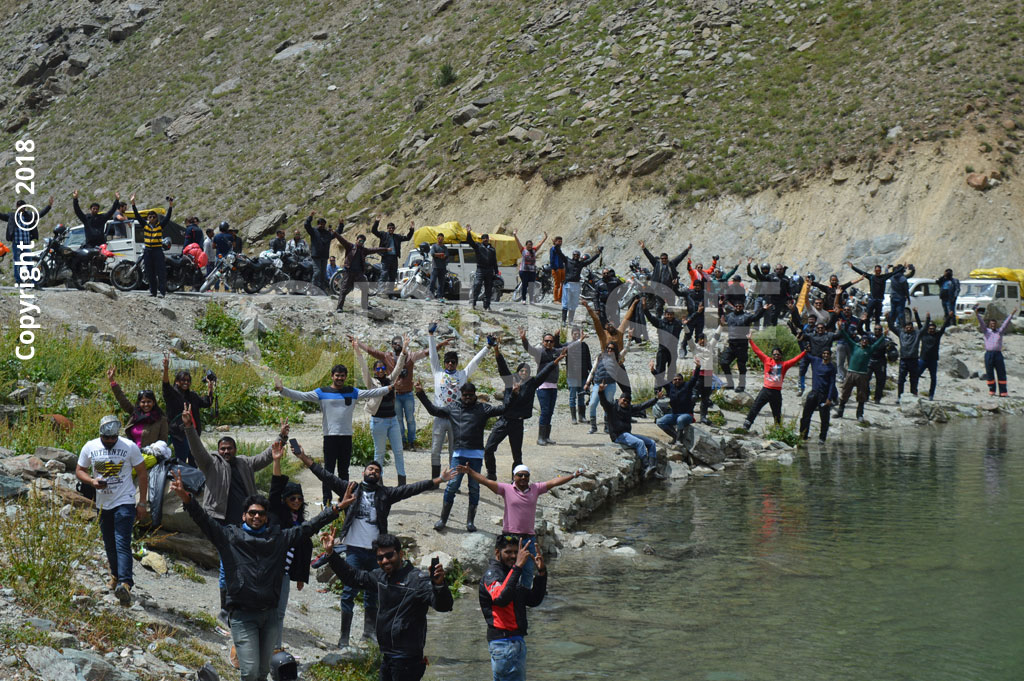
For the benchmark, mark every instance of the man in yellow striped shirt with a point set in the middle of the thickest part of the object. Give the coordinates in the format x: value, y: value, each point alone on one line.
x: 153, y: 254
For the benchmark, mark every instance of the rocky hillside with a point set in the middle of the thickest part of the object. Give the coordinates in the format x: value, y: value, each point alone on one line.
x: 246, y: 108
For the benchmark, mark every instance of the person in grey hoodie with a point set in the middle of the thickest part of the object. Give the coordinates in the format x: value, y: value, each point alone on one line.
x: 910, y: 344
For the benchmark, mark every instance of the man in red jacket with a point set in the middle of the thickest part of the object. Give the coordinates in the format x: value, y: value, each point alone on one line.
x: 504, y: 600
x: 774, y: 373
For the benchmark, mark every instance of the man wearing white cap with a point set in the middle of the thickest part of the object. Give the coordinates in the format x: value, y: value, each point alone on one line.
x: 106, y: 464
x: 520, y: 506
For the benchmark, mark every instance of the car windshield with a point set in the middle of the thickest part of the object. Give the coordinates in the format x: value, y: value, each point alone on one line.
x: 978, y: 290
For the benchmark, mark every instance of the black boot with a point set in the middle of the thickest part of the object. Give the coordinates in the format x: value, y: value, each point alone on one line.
x: 593, y: 425
x: 546, y: 434
x: 572, y: 413
x: 370, y: 625
x: 446, y: 510
x: 470, y: 517
x: 435, y: 471
x: 839, y: 411
x: 565, y: 314
x: 346, y: 627
x: 541, y: 440
x: 401, y: 480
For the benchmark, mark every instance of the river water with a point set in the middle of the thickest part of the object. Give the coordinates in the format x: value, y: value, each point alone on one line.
x: 895, y: 556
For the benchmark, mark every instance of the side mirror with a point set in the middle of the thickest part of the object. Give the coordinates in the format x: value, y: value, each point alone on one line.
x: 918, y: 293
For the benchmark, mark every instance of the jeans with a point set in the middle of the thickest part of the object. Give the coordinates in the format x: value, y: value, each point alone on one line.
x: 842, y: 362
x: 571, y: 295
x: 485, y: 282
x: 576, y: 400
x: 595, y: 402
x: 526, y: 578
x: 805, y: 362
x: 437, y: 282
x: 908, y: 367
x: 644, y: 447
x: 442, y: 430
x: 405, y: 414
x: 546, y: 399
x: 361, y: 559
x: 529, y: 280
x: 995, y: 367
x: 116, y: 526
x: 337, y: 451
x: 156, y: 269
x: 897, y: 306
x: 874, y: 310
x: 815, y: 402
x: 932, y: 365
x: 401, y: 669
x: 182, y: 452
x: 949, y: 307
x: 254, y: 633
x: 453, y: 485
x: 319, y: 273
x: 508, y: 659
x: 674, y: 424
x: 387, y: 429
x: 282, y: 607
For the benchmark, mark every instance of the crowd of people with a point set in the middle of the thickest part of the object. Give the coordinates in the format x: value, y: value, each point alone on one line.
x: 699, y: 327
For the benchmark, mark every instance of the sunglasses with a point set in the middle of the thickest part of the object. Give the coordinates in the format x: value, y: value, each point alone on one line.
x: 295, y: 497
x: 146, y: 393
x: 256, y: 513
x: 380, y: 368
x: 549, y: 340
x: 523, y: 475
x: 381, y: 557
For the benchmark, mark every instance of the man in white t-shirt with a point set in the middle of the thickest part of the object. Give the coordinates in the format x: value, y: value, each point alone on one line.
x: 106, y: 464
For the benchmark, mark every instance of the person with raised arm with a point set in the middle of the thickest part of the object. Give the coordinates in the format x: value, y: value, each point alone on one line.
x: 995, y: 366
x: 528, y: 264
x: 774, y: 374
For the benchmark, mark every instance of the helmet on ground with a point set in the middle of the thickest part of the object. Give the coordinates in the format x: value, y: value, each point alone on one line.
x: 283, y: 667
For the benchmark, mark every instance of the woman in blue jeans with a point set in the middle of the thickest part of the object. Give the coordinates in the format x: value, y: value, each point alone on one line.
x: 609, y: 370
x: 384, y: 424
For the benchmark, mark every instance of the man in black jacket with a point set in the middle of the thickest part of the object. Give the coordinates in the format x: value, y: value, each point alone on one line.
x: 22, y: 233
x: 572, y: 287
x: 665, y: 272
x: 520, y: 390
x: 319, y: 248
x: 363, y: 524
x: 503, y: 601
x: 95, y: 221
x: 392, y: 245
x: 620, y: 426
x: 680, y: 399
x: 253, y: 556
x: 176, y: 396
x: 486, y: 268
x: 468, y: 418
x: 740, y: 323
x: 669, y: 329
x: 406, y: 595
x: 876, y: 289
x: 355, y: 267
x: 279, y: 242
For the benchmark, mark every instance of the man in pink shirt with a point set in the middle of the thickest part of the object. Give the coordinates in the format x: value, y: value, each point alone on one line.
x: 521, y: 506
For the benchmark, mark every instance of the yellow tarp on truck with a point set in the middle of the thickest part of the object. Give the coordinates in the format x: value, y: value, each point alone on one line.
x: 1000, y: 273
x: 504, y: 246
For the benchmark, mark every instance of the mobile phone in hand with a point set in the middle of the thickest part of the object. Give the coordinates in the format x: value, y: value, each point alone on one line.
x: 491, y: 340
x: 294, y: 445
x: 432, y: 328
x: 434, y: 562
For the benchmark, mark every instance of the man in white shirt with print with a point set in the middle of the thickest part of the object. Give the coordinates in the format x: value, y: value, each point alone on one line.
x: 106, y: 464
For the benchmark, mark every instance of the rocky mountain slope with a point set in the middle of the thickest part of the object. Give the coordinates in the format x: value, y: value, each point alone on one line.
x: 778, y: 120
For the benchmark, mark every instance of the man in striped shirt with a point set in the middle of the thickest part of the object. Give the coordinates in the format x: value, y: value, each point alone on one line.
x: 153, y: 253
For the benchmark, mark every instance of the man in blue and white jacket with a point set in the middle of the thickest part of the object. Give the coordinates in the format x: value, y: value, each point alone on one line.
x: 337, y: 403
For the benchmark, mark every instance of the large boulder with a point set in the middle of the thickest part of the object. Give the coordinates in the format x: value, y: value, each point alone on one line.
x: 261, y: 226
x: 954, y: 367
x: 706, y: 447
x: 196, y: 549
x: 56, y: 453
x: 367, y: 182
x: 475, y: 553
x: 188, y: 120
x: 26, y: 466
x: 50, y: 665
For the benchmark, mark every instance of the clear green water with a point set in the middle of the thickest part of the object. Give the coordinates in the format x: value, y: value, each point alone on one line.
x: 894, y: 557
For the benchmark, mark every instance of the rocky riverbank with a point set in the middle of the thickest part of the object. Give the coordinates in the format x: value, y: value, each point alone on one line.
x: 177, y: 612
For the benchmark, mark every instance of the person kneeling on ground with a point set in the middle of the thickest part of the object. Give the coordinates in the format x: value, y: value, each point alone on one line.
x: 620, y: 424
x: 680, y: 398
x: 503, y: 601
x: 253, y: 555
x: 405, y: 595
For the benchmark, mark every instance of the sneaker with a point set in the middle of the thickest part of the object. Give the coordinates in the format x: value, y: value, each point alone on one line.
x: 123, y: 592
x: 112, y: 582
x: 706, y: 421
x: 821, y: 440
x: 861, y: 419
x: 160, y: 295
x: 658, y: 476
x: 233, y: 656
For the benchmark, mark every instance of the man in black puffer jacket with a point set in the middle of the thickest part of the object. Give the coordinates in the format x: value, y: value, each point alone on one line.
x: 520, y: 390
x: 95, y: 222
x: 406, y: 594
x: 253, y: 555
x: 486, y: 268
x: 573, y: 285
x: 468, y: 418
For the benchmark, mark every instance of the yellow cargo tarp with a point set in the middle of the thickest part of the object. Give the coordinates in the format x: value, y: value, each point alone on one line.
x: 1000, y: 273
x: 504, y: 246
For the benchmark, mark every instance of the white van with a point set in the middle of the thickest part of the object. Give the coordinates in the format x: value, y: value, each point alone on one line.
x: 924, y: 295
x: 461, y: 263
x: 124, y: 238
x: 980, y: 293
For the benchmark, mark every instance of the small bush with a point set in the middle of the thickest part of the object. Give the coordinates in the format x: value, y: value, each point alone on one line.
x: 784, y: 432
x: 189, y: 573
x: 220, y: 328
x: 445, y: 75
x: 363, y: 669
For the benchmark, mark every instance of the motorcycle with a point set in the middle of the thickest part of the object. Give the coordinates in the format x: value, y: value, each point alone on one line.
x: 635, y: 284
x: 182, y: 270
x: 60, y: 263
x: 228, y: 272
x: 590, y: 285
x: 417, y: 284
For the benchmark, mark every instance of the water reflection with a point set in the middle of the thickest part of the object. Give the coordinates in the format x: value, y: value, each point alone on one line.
x: 892, y: 557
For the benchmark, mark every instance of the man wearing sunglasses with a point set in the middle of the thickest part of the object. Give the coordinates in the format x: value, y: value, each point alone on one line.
x: 406, y: 595
x: 503, y: 601
x: 253, y: 555
x: 520, y: 500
